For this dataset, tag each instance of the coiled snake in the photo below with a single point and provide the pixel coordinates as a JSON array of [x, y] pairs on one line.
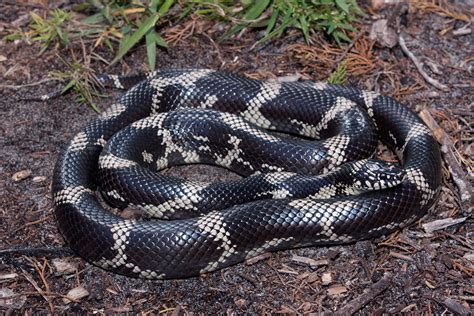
[[203, 116]]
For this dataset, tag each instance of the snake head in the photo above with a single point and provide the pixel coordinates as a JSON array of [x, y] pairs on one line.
[[371, 174]]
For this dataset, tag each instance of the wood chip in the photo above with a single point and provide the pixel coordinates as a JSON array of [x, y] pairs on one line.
[[313, 277], [400, 256], [408, 308], [311, 262], [64, 267], [326, 278], [461, 181], [258, 258], [465, 30], [114, 292], [21, 175], [287, 271], [119, 309], [76, 294], [39, 179], [455, 307], [362, 300], [2, 58], [442, 223], [241, 303], [8, 276], [337, 290], [469, 256]]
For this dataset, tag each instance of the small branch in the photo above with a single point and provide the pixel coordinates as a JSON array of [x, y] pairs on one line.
[[359, 302], [37, 83], [419, 65], [29, 224], [40, 251], [40, 291], [345, 53], [447, 147]]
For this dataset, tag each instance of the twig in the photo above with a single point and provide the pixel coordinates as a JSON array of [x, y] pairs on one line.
[[456, 171], [48, 294], [359, 302], [42, 272], [419, 65], [345, 53], [217, 49], [30, 224], [37, 83], [30, 279], [40, 251]]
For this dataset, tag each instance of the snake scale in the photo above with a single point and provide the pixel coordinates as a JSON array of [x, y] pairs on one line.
[[319, 189]]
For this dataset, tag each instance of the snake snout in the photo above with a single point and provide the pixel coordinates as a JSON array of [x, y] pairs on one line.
[[376, 175]]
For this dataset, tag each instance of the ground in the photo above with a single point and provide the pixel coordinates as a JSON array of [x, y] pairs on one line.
[[413, 270]]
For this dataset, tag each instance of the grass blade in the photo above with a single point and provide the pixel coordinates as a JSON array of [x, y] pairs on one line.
[[160, 41], [129, 42], [165, 7], [151, 48], [343, 5], [254, 12], [287, 20], [272, 21]]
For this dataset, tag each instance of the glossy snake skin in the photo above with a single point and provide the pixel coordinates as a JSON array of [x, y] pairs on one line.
[[202, 116]]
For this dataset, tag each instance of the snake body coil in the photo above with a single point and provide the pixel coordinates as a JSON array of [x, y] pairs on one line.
[[202, 116]]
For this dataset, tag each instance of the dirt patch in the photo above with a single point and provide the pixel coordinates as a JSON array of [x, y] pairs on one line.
[[409, 270]]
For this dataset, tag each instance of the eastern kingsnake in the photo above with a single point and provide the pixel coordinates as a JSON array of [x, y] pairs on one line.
[[202, 116]]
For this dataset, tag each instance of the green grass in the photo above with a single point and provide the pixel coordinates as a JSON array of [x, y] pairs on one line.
[[81, 80], [334, 17], [130, 22], [338, 76], [122, 25]]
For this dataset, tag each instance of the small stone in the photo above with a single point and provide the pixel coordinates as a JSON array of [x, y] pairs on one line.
[[21, 175], [76, 294]]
